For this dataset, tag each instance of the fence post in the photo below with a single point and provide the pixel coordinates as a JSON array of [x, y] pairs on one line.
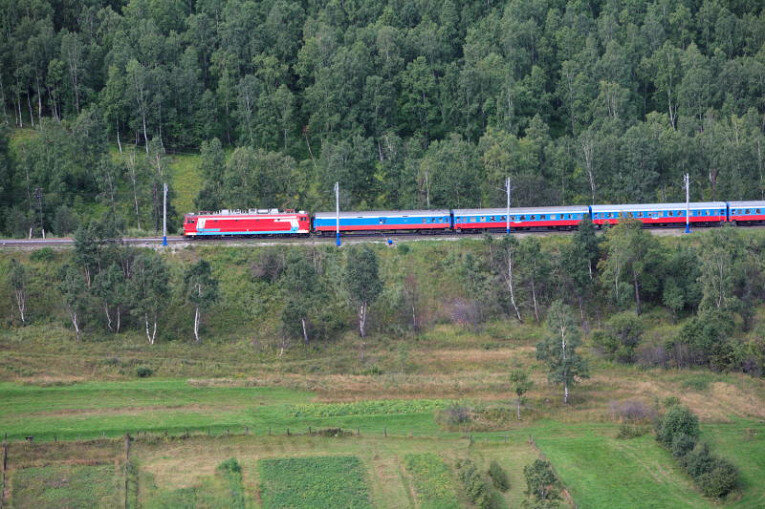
[[5, 467]]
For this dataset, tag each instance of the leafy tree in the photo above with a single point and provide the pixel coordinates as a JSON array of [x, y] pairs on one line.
[[541, 482], [521, 385], [150, 290], [558, 349], [301, 285], [73, 289], [631, 255], [110, 286], [362, 281], [534, 272], [620, 337]]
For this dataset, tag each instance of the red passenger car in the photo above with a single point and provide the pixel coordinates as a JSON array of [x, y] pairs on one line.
[[244, 223]]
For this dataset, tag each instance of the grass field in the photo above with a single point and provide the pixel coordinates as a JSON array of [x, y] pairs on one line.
[[64, 486], [434, 485], [320, 481]]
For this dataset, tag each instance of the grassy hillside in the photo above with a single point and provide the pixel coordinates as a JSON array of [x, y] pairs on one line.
[[238, 395]]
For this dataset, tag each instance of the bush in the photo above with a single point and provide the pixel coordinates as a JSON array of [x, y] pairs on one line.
[[627, 431], [715, 476], [499, 476], [633, 411], [676, 422], [720, 481], [698, 461], [620, 336], [144, 372], [682, 444], [45, 254], [230, 465], [478, 490], [457, 414], [541, 482]]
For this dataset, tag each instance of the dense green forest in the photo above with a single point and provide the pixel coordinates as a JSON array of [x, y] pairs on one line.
[[408, 103]]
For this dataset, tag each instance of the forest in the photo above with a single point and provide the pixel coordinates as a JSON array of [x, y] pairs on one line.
[[408, 103]]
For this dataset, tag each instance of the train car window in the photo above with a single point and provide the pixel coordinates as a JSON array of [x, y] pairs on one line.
[[746, 211]]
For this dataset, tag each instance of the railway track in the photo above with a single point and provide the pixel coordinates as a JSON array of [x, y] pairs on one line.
[[177, 241]]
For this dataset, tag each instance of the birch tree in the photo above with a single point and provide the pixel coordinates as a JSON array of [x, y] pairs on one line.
[[110, 287], [558, 349], [505, 264], [150, 290], [362, 281], [201, 291], [18, 276], [301, 285], [73, 289]]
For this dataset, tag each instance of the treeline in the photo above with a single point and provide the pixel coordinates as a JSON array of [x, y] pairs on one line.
[[408, 104], [613, 288]]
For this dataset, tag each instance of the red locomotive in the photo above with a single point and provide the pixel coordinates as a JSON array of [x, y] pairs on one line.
[[242, 223]]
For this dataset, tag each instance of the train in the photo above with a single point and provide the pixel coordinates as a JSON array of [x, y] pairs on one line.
[[289, 223]]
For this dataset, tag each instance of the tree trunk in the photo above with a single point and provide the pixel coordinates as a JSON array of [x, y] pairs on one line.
[[534, 300], [119, 319], [39, 100], [75, 322], [637, 292], [363, 319], [151, 335], [21, 302], [29, 107], [196, 324], [305, 331], [119, 142], [510, 286], [108, 318], [145, 135], [518, 409], [565, 393]]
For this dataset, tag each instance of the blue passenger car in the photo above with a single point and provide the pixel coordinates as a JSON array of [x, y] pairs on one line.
[[384, 221]]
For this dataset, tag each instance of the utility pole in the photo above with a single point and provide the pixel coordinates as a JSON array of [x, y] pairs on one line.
[[164, 214], [508, 190], [39, 197], [687, 181], [337, 214]]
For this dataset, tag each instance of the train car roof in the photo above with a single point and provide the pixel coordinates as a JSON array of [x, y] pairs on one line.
[[383, 213], [250, 212], [524, 210], [658, 206], [750, 204]]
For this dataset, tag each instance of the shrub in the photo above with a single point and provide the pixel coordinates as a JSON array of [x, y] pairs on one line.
[[144, 372], [620, 337], [457, 414], [720, 481], [269, 266], [499, 476], [715, 476], [230, 465], [45, 254], [682, 444], [677, 421], [633, 411], [541, 482], [627, 431], [477, 488]]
